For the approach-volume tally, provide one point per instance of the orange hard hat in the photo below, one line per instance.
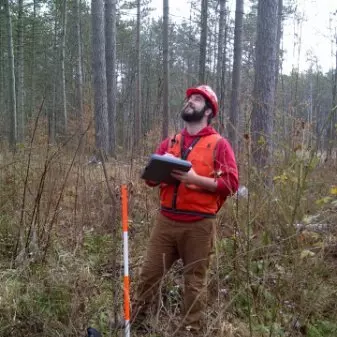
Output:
(208, 93)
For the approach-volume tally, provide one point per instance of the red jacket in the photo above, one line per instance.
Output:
(227, 183)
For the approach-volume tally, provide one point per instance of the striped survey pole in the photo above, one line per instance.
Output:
(126, 260)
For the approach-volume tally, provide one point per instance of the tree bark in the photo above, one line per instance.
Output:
(20, 76)
(279, 37)
(233, 128)
(64, 125)
(332, 126)
(3, 84)
(99, 76)
(223, 85)
(32, 65)
(219, 65)
(189, 55)
(166, 69)
(203, 41)
(264, 84)
(11, 79)
(79, 70)
(52, 111)
(110, 56)
(138, 112)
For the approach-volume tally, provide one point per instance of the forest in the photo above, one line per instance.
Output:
(88, 90)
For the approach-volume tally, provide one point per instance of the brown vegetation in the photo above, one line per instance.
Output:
(61, 248)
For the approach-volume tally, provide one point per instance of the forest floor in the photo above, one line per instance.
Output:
(61, 264)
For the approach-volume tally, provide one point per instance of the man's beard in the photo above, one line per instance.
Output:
(195, 116)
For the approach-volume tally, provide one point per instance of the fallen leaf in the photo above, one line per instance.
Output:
(333, 190)
(306, 253)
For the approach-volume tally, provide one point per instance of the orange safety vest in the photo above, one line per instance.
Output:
(191, 199)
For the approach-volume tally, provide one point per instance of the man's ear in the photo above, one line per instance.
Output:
(208, 112)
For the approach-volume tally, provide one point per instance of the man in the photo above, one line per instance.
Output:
(185, 226)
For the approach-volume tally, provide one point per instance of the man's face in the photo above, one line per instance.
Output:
(194, 109)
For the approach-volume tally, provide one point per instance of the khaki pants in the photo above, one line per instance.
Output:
(169, 241)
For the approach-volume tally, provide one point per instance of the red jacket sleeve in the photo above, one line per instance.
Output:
(226, 168)
(163, 146)
(161, 149)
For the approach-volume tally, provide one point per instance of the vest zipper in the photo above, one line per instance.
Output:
(183, 155)
(175, 195)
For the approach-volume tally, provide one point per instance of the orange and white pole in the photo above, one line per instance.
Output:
(126, 260)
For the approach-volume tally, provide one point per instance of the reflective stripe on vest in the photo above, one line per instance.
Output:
(191, 199)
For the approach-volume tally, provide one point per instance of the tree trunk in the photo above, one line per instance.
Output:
(310, 108)
(99, 76)
(223, 85)
(138, 118)
(264, 84)
(110, 56)
(233, 128)
(214, 38)
(219, 64)
(278, 68)
(332, 131)
(11, 79)
(189, 55)
(79, 70)
(279, 37)
(32, 65)
(52, 110)
(64, 125)
(3, 84)
(20, 76)
(166, 69)
(203, 41)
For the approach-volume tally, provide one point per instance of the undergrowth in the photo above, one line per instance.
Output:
(61, 249)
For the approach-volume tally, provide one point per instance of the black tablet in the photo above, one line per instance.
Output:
(159, 168)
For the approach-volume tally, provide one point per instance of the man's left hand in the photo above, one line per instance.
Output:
(190, 177)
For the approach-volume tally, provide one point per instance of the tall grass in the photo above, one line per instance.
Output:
(60, 247)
